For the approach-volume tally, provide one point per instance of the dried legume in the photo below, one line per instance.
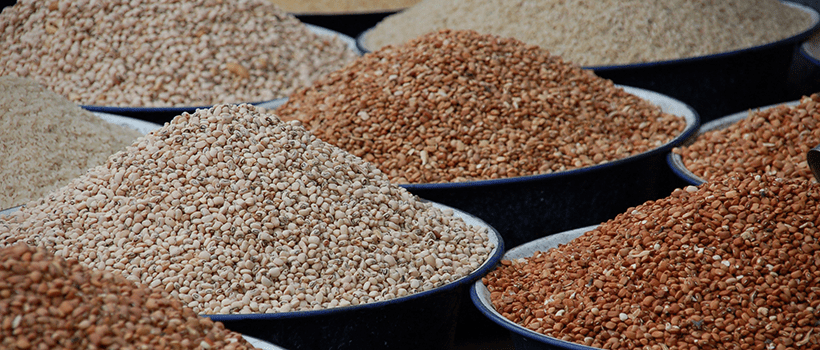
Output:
(732, 264)
(233, 211)
(46, 140)
(605, 32)
(460, 106)
(50, 303)
(773, 141)
(156, 53)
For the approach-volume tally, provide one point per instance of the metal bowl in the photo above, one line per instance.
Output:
(714, 85)
(528, 207)
(423, 320)
(675, 161)
(523, 338)
(165, 114)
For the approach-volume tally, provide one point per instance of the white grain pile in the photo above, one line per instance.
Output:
(46, 140)
(234, 211)
(605, 32)
(155, 53)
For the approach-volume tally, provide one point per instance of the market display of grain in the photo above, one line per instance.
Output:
(342, 6)
(161, 53)
(770, 141)
(732, 264)
(456, 106)
(46, 140)
(604, 32)
(233, 211)
(50, 303)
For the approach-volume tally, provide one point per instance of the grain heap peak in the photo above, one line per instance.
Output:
(455, 106)
(234, 211)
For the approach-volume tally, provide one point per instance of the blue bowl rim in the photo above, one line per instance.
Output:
(675, 161)
(795, 38)
(176, 110)
(490, 312)
(813, 41)
(483, 269)
(692, 124)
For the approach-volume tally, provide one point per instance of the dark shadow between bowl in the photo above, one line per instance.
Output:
(425, 320)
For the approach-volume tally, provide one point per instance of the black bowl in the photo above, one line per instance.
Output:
(719, 84)
(162, 115)
(528, 207)
(424, 320)
(523, 338)
(675, 161)
(351, 24)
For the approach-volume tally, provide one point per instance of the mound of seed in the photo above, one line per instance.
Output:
(771, 141)
(46, 140)
(157, 53)
(605, 32)
(460, 106)
(50, 303)
(233, 211)
(733, 264)
(342, 6)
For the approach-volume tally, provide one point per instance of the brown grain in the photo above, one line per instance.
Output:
(460, 106)
(50, 303)
(770, 141)
(662, 275)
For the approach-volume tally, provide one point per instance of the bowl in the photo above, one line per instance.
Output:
(142, 126)
(804, 73)
(425, 320)
(161, 115)
(675, 161)
(351, 24)
(714, 85)
(528, 207)
(523, 338)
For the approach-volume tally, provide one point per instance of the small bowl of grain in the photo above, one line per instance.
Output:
(772, 139)
(718, 57)
(671, 272)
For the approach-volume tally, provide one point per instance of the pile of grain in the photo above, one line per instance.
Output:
(732, 264)
(342, 6)
(605, 32)
(51, 303)
(460, 106)
(158, 53)
(233, 211)
(771, 141)
(46, 140)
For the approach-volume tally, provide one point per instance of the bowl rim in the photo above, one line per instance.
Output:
(815, 17)
(692, 123)
(269, 104)
(484, 268)
(480, 295)
(675, 161)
